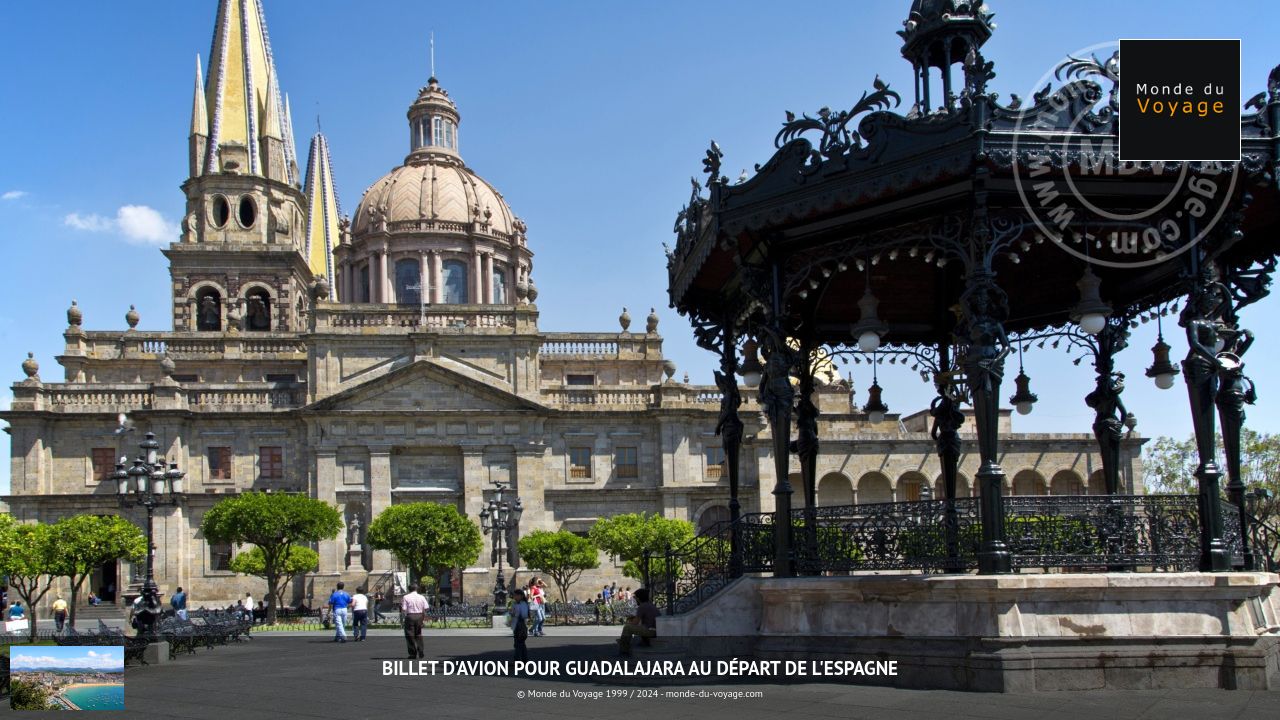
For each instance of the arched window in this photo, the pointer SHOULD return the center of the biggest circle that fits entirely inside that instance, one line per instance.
(209, 310)
(362, 281)
(835, 489)
(874, 488)
(437, 130)
(499, 285)
(711, 517)
(1066, 482)
(454, 278)
(408, 282)
(909, 486)
(257, 314)
(1029, 482)
(450, 139)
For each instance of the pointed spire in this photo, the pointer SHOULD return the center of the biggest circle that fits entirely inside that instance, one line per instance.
(322, 211)
(199, 117)
(242, 97)
(271, 117)
(290, 147)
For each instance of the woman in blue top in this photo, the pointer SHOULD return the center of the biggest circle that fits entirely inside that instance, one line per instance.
(519, 619)
(17, 612)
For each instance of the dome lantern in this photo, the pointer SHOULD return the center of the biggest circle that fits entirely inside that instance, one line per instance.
(433, 122)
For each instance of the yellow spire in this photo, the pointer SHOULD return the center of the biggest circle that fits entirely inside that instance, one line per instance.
(242, 94)
(199, 118)
(323, 211)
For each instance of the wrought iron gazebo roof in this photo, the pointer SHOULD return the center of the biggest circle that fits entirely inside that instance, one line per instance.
(897, 192)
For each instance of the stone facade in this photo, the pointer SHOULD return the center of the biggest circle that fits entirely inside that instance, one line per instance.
(406, 364)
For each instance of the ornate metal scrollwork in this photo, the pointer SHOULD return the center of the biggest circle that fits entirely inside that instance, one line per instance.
(837, 138)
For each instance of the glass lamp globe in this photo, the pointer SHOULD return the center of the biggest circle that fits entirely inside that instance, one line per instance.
(1093, 323)
(751, 378)
(1024, 407)
(1164, 381)
(875, 416)
(869, 341)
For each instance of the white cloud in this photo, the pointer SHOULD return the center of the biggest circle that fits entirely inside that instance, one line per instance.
(13, 195)
(91, 223)
(94, 660)
(137, 224)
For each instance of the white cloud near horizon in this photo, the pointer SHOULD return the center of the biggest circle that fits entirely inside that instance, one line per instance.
(93, 660)
(137, 224)
(13, 194)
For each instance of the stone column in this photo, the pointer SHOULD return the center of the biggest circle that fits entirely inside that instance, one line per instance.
(477, 292)
(477, 582)
(384, 284)
(487, 277)
(424, 278)
(437, 273)
(333, 550)
(389, 275)
(379, 497)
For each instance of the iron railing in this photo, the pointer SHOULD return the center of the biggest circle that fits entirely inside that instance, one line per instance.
(1264, 543)
(1075, 533)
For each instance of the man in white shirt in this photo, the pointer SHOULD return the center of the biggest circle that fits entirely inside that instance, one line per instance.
(359, 615)
(246, 607)
(413, 609)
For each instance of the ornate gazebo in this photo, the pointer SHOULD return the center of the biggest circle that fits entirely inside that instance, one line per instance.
(955, 237)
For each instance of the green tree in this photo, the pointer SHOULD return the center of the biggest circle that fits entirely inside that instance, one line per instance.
(427, 537)
(1170, 465)
(85, 542)
(276, 523)
(29, 557)
(27, 695)
(299, 560)
(562, 555)
(631, 536)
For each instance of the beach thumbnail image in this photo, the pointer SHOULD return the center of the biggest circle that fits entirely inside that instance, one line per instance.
(44, 677)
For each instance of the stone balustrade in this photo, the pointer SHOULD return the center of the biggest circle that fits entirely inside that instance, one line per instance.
(375, 317)
(581, 348)
(125, 398)
(701, 397)
(105, 345)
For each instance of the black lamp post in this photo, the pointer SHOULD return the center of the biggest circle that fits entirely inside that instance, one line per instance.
(499, 518)
(148, 484)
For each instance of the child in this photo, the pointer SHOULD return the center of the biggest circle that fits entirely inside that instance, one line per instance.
(519, 617)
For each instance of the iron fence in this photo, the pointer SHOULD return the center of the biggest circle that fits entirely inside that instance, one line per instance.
(1084, 533)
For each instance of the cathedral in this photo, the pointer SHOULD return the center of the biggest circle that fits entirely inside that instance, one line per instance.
(394, 356)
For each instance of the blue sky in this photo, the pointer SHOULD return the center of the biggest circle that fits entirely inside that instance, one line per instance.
(47, 656)
(588, 117)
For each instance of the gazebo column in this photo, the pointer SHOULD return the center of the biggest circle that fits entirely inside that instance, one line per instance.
(984, 304)
(806, 449)
(777, 396)
(729, 428)
(1234, 391)
(1200, 370)
(1109, 412)
(947, 420)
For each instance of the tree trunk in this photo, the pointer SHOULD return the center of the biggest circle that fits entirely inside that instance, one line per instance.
(75, 592)
(272, 578)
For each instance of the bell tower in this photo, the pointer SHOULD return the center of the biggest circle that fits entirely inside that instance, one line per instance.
(241, 262)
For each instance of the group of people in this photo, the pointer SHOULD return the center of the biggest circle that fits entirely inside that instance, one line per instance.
(611, 593)
(344, 605)
(528, 612)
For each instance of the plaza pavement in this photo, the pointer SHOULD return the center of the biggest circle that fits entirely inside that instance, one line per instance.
(306, 675)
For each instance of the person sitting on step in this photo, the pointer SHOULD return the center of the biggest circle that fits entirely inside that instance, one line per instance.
(644, 623)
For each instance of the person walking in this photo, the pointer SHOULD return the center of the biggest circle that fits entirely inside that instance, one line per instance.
(378, 599)
(518, 616)
(537, 605)
(179, 603)
(59, 613)
(359, 615)
(413, 608)
(339, 601)
(246, 607)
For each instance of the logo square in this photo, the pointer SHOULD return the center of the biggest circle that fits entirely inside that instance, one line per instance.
(1180, 100)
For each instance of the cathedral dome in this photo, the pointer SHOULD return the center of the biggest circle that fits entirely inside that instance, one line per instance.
(431, 230)
(433, 193)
